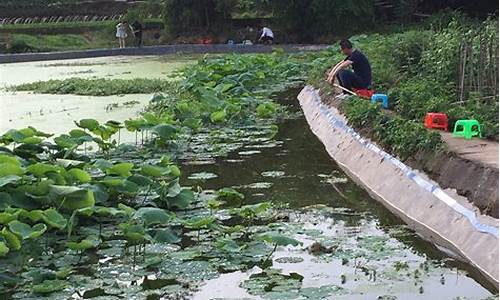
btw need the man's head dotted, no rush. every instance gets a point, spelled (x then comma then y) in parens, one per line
(346, 47)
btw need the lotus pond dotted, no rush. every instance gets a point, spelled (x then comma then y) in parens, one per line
(222, 193)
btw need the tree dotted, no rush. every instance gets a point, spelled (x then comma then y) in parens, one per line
(192, 15)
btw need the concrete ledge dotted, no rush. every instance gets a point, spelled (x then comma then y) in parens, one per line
(443, 217)
(156, 50)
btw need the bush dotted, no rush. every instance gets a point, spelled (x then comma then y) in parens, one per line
(403, 137)
(407, 48)
(417, 96)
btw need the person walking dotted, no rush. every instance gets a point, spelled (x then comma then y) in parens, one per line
(137, 31)
(121, 33)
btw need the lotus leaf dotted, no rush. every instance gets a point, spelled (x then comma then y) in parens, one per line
(49, 286)
(279, 239)
(4, 158)
(7, 169)
(25, 231)
(33, 215)
(54, 219)
(154, 171)
(89, 124)
(198, 222)
(152, 216)
(5, 180)
(166, 236)
(40, 169)
(133, 232)
(3, 249)
(165, 131)
(218, 116)
(80, 175)
(121, 169)
(71, 197)
(32, 140)
(13, 241)
(230, 197)
(181, 200)
(228, 245)
(88, 243)
(6, 217)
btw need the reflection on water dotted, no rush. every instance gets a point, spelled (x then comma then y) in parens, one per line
(297, 170)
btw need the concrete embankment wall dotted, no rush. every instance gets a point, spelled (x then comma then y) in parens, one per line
(156, 50)
(441, 216)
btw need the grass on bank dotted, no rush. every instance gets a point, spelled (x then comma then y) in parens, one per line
(22, 43)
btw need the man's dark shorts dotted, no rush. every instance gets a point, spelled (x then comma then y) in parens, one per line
(349, 80)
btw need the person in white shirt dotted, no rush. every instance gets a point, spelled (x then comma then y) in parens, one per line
(267, 36)
(121, 32)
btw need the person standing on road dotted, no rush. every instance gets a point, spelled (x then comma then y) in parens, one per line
(137, 30)
(267, 36)
(121, 33)
(361, 75)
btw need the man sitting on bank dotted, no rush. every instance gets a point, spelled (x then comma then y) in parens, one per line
(361, 75)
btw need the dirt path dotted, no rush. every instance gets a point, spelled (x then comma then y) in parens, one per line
(477, 150)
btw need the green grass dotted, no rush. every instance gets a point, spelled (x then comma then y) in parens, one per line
(20, 43)
(42, 43)
(97, 87)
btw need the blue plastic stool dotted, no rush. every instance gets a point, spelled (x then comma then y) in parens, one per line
(381, 98)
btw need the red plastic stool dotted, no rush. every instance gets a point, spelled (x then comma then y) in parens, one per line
(364, 93)
(436, 121)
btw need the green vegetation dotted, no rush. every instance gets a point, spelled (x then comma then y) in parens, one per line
(57, 197)
(175, 21)
(83, 214)
(97, 87)
(398, 135)
(423, 71)
(65, 36)
(43, 43)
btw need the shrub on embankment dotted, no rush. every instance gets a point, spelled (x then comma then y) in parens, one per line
(398, 135)
(448, 65)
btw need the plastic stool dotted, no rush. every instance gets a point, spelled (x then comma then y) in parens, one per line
(381, 98)
(464, 128)
(364, 93)
(436, 121)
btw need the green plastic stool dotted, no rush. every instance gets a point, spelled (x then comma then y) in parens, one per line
(463, 128)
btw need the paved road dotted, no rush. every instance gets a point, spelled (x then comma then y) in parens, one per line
(480, 150)
(156, 50)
